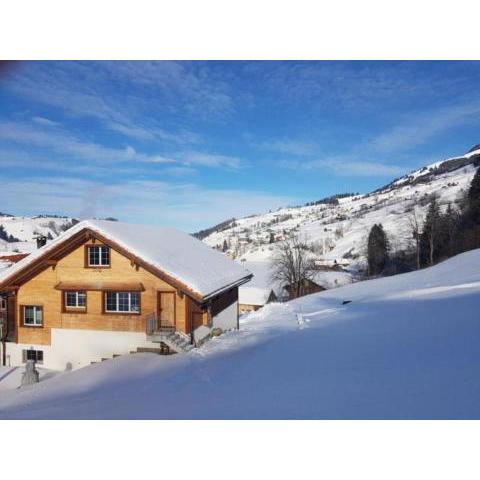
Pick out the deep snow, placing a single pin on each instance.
(405, 347)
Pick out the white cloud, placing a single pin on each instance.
(210, 160)
(346, 166)
(45, 121)
(145, 91)
(417, 129)
(64, 143)
(187, 206)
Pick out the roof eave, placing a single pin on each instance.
(219, 291)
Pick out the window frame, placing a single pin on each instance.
(122, 312)
(87, 256)
(37, 352)
(32, 325)
(74, 309)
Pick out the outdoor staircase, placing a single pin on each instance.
(167, 336)
(169, 340)
(175, 341)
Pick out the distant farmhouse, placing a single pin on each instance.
(108, 288)
(262, 290)
(251, 299)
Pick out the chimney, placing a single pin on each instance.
(41, 241)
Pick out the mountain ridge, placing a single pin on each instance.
(337, 226)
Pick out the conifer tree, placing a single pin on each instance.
(474, 199)
(470, 219)
(430, 234)
(377, 254)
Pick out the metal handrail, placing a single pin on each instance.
(153, 324)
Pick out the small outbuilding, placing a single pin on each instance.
(250, 299)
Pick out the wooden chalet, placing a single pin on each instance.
(107, 288)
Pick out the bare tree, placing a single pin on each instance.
(293, 265)
(414, 224)
(431, 227)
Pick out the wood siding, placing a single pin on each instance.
(40, 290)
(196, 315)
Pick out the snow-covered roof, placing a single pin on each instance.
(178, 254)
(253, 295)
(4, 265)
(332, 279)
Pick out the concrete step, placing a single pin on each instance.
(174, 340)
(148, 350)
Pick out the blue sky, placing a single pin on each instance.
(189, 144)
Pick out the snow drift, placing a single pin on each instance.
(403, 347)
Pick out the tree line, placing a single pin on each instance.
(435, 238)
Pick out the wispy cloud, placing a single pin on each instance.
(346, 166)
(366, 84)
(91, 90)
(65, 143)
(154, 133)
(419, 128)
(134, 200)
(367, 158)
(209, 160)
(44, 121)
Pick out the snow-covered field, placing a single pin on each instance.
(404, 347)
(340, 231)
(26, 229)
(11, 377)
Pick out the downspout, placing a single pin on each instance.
(238, 316)
(209, 313)
(190, 320)
(4, 333)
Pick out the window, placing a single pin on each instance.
(98, 256)
(3, 304)
(76, 299)
(35, 355)
(33, 316)
(122, 302)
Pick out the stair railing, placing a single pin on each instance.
(151, 323)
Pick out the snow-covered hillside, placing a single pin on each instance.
(339, 229)
(25, 229)
(404, 347)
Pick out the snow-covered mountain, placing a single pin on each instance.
(18, 233)
(338, 226)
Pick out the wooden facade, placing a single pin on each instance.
(46, 286)
(308, 287)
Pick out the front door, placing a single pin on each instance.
(166, 309)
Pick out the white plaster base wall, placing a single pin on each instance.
(227, 319)
(77, 348)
